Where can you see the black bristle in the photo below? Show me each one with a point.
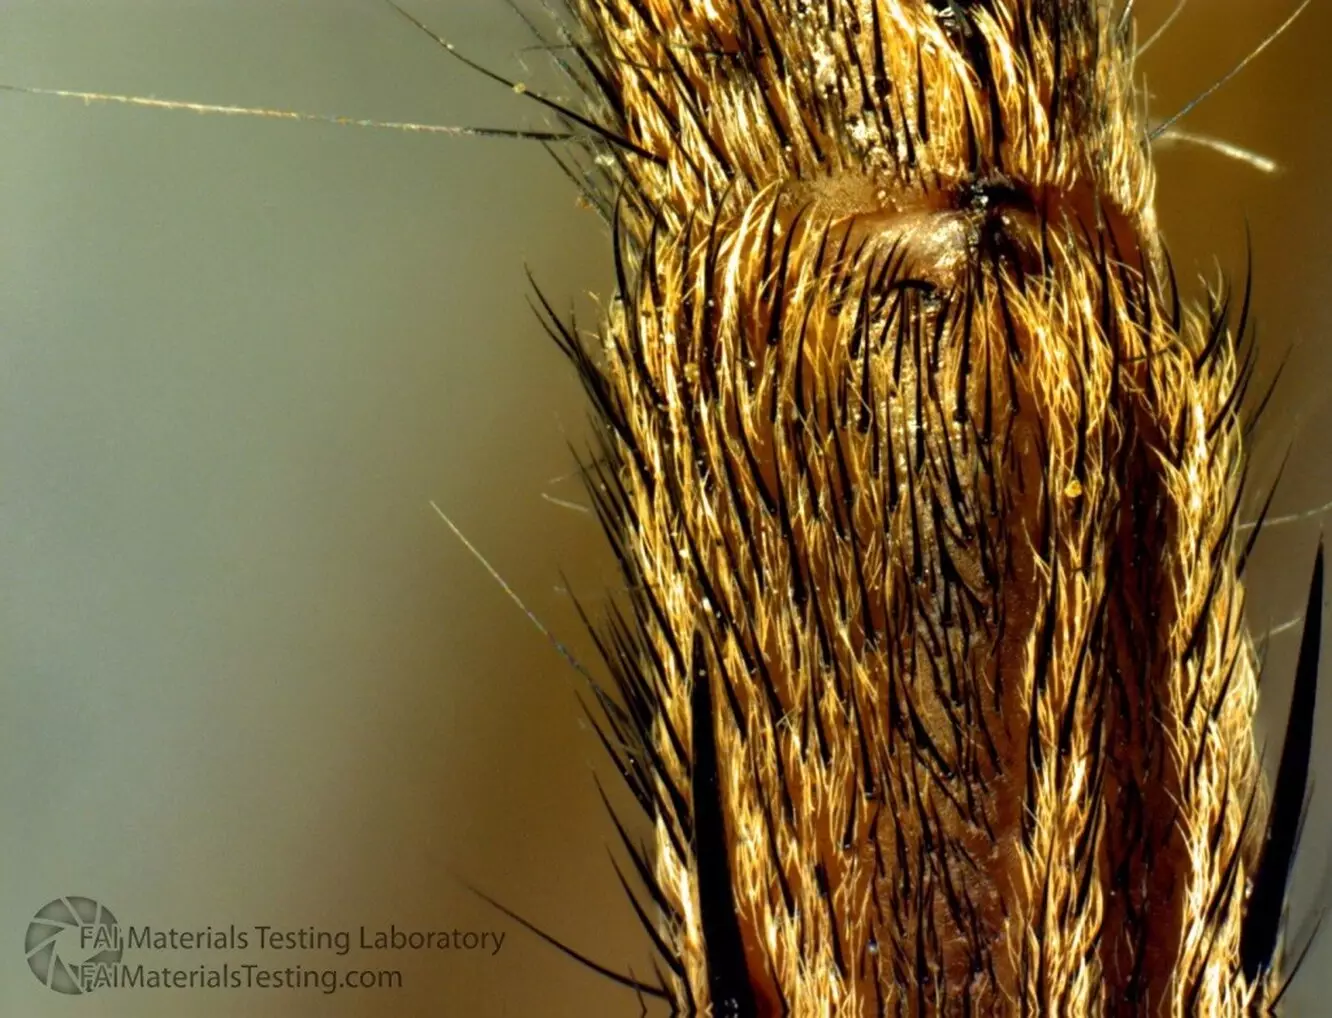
(1267, 900)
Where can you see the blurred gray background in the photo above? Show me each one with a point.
(249, 677)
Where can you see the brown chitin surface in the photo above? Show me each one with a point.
(937, 684)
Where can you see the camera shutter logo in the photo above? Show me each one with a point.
(68, 935)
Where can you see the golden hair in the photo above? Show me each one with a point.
(933, 677)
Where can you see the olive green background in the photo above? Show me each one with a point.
(248, 675)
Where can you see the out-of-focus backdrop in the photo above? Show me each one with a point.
(249, 677)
